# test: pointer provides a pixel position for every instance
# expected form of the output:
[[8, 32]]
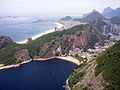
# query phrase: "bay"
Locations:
[[37, 75]]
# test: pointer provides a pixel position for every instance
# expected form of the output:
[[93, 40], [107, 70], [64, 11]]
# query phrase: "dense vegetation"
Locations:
[[108, 63], [7, 54], [77, 76]]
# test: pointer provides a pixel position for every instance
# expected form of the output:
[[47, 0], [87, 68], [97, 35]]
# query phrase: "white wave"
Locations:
[[59, 25]]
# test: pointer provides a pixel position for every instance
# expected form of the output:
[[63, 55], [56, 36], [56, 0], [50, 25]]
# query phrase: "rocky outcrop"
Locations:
[[68, 43], [22, 55], [4, 41], [48, 50], [81, 39]]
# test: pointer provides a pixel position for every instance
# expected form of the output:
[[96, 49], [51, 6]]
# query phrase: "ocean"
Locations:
[[21, 28], [37, 75]]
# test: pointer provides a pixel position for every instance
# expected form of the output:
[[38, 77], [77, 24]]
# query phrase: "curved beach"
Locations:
[[70, 59], [58, 25], [66, 58]]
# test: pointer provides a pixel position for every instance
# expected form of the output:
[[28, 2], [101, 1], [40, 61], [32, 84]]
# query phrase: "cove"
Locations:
[[37, 75]]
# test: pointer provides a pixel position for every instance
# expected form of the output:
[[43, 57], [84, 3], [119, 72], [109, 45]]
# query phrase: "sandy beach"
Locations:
[[59, 26], [70, 59], [67, 58]]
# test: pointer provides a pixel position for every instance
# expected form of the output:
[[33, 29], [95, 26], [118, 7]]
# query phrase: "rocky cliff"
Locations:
[[81, 39], [22, 55]]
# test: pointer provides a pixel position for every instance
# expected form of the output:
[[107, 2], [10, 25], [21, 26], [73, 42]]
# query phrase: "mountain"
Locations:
[[84, 15], [115, 20], [109, 12], [81, 36], [66, 18], [93, 16], [118, 12], [99, 24], [103, 73]]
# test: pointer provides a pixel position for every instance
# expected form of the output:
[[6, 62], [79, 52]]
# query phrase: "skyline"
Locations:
[[53, 7]]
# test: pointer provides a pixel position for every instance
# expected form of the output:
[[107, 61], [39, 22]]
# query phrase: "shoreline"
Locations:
[[68, 59], [67, 85], [14, 65], [58, 25]]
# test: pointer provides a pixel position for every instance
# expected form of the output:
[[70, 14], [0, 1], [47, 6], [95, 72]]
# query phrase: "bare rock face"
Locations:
[[48, 50], [4, 41], [22, 55], [68, 42], [82, 39]]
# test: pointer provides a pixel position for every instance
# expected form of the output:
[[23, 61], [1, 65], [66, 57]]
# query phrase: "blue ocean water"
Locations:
[[21, 28], [37, 75]]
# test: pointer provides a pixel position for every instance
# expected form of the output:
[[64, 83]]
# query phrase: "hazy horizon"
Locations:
[[53, 7]]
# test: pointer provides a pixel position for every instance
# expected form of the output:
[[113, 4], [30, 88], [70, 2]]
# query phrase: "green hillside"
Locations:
[[107, 71], [7, 54], [108, 63]]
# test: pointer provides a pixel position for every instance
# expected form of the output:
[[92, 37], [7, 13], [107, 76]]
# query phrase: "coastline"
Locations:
[[67, 85], [14, 65], [58, 25], [68, 58]]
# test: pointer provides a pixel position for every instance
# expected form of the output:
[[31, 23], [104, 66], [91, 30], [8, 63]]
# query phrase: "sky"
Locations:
[[53, 7]]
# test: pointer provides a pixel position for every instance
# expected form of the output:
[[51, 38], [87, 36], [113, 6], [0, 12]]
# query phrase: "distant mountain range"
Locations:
[[93, 16], [109, 12]]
